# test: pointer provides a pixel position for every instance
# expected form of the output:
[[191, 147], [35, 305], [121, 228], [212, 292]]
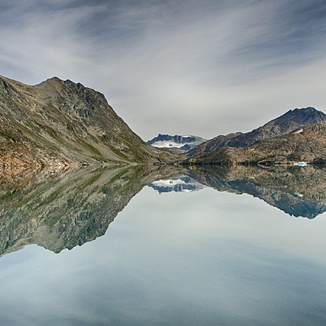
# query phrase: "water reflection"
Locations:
[[299, 192], [63, 210], [178, 183], [189, 258]]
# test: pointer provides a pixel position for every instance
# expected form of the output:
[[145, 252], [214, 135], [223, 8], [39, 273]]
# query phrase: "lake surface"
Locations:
[[175, 252]]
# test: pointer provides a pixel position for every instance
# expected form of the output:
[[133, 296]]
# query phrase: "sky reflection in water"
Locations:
[[203, 257]]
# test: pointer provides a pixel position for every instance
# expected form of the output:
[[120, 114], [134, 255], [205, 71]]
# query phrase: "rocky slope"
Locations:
[[306, 144], [59, 123], [287, 123]]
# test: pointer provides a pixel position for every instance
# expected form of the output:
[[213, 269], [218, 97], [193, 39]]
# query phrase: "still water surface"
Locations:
[[202, 257]]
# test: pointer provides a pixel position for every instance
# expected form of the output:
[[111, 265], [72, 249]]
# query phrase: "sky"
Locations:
[[186, 67]]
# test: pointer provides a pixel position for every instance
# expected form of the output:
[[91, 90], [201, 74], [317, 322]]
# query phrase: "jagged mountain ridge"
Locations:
[[177, 143], [286, 123], [60, 122]]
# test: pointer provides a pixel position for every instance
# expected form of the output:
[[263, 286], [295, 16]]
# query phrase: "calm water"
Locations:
[[203, 257]]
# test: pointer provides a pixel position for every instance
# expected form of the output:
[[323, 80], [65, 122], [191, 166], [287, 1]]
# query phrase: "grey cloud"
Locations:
[[169, 66]]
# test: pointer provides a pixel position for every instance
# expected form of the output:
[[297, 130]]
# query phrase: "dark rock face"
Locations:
[[287, 123], [62, 123]]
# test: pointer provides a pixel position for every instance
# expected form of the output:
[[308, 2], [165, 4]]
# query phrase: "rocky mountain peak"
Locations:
[[284, 124], [295, 118], [66, 122]]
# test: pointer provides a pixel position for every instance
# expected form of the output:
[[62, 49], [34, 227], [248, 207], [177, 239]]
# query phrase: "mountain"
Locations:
[[176, 143], [285, 124], [306, 145], [59, 123]]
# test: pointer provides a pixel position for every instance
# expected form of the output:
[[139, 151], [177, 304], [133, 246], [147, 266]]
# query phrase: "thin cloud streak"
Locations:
[[174, 66]]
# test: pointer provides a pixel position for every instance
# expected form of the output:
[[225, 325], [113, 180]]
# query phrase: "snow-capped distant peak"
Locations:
[[176, 142]]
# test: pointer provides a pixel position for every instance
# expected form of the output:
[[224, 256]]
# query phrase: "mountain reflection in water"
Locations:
[[298, 191], [63, 210]]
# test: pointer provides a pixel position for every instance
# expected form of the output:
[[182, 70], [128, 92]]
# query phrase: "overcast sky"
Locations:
[[205, 67]]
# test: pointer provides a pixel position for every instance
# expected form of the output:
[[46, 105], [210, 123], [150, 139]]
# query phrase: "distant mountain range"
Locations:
[[177, 143], [305, 146], [298, 135], [289, 122], [60, 123]]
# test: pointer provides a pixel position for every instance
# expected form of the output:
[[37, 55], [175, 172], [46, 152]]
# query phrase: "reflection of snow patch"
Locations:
[[300, 163], [167, 183], [178, 184]]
